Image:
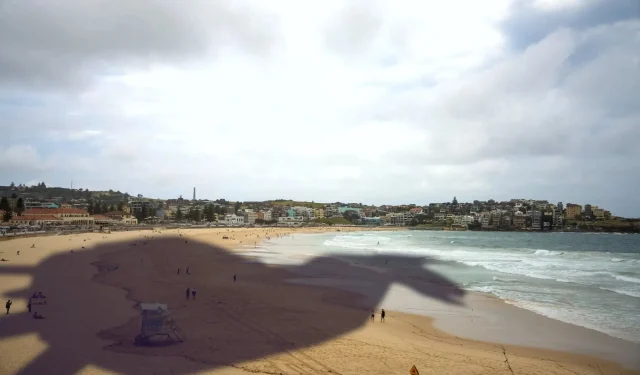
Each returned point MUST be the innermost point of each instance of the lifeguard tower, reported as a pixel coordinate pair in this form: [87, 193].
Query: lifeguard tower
[157, 322]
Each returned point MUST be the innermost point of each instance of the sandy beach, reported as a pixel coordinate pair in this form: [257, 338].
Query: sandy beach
[262, 323]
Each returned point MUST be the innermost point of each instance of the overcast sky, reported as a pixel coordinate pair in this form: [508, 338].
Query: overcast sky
[360, 101]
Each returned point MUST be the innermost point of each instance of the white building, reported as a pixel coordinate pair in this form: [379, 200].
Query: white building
[233, 220]
[399, 218]
[290, 220]
[305, 212]
[267, 215]
[464, 219]
[332, 211]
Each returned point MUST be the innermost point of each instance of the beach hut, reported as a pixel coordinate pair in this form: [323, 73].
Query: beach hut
[157, 322]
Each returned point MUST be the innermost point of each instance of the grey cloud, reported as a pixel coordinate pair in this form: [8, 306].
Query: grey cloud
[358, 31]
[537, 103]
[66, 43]
[528, 25]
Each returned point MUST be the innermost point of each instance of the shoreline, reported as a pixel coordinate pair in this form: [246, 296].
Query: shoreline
[487, 317]
[515, 304]
[128, 313]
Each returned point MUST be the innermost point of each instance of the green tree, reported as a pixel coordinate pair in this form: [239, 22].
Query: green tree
[4, 204]
[12, 184]
[413, 222]
[120, 206]
[7, 216]
[14, 196]
[209, 213]
[142, 213]
[195, 214]
[104, 208]
[236, 207]
[178, 215]
[20, 208]
[97, 209]
[43, 185]
[90, 209]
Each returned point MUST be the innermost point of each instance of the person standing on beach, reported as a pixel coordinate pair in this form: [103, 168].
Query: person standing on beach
[187, 270]
[188, 292]
[382, 314]
[8, 306]
[234, 278]
[193, 293]
[178, 271]
[373, 316]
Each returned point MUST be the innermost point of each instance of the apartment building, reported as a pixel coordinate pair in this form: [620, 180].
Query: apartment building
[250, 217]
[519, 221]
[536, 220]
[399, 218]
[264, 215]
[137, 205]
[332, 211]
[573, 211]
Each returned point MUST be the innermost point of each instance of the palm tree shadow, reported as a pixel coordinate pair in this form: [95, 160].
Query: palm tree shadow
[261, 315]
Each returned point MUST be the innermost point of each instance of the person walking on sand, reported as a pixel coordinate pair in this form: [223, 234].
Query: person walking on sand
[29, 305]
[188, 293]
[187, 271]
[382, 314]
[178, 271]
[373, 316]
[8, 306]
[193, 293]
[234, 278]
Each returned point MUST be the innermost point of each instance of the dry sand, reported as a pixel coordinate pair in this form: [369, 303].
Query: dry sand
[260, 324]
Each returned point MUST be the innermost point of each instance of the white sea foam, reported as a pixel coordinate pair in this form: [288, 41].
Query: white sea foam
[547, 252]
[630, 279]
[595, 289]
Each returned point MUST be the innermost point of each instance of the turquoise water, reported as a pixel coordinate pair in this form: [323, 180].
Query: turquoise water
[591, 280]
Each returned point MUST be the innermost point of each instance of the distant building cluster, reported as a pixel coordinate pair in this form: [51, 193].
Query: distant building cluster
[42, 206]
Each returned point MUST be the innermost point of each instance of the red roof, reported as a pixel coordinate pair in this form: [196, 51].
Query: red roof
[35, 218]
[55, 211]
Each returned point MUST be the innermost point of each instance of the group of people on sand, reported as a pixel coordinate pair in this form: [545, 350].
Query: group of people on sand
[35, 295]
[191, 292]
[382, 315]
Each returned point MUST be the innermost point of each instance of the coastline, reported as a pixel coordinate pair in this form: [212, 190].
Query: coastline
[415, 331]
[486, 317]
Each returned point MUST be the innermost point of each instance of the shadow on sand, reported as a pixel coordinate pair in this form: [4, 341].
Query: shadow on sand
[229, 323]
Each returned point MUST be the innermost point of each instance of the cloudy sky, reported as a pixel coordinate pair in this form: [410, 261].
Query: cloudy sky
[397, 101]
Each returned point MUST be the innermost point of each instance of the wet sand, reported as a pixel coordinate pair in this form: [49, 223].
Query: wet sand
[263, 323]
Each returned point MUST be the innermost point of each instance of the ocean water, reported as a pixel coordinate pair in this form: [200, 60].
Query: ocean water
[591, 280]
